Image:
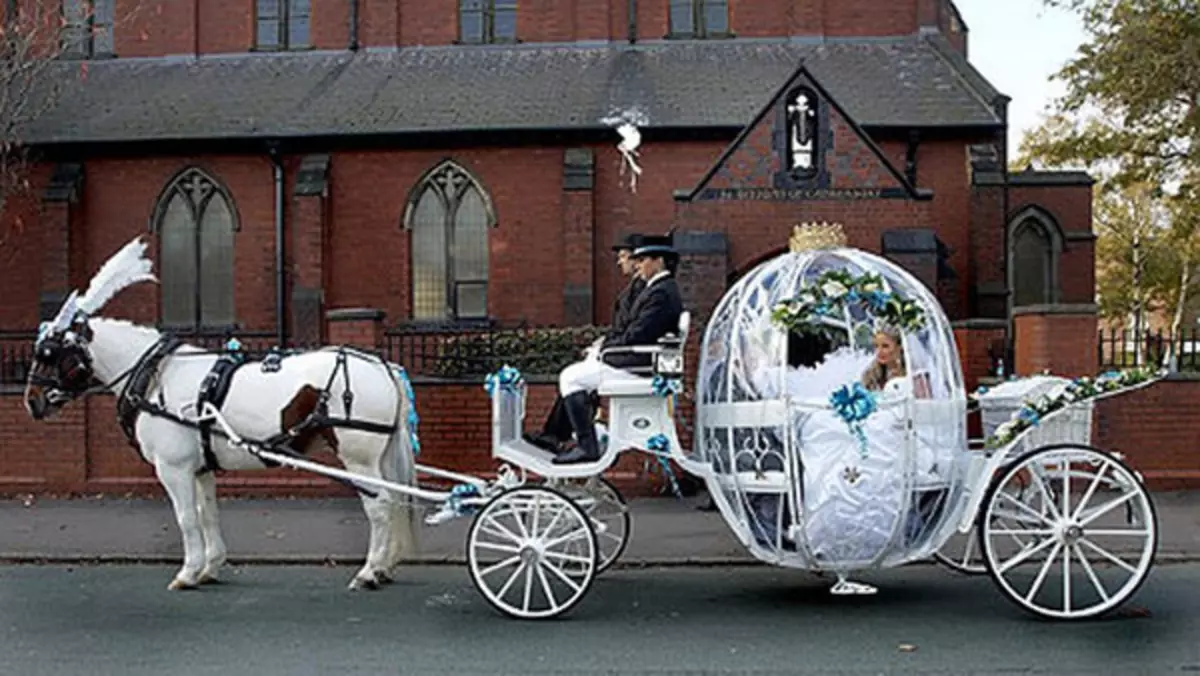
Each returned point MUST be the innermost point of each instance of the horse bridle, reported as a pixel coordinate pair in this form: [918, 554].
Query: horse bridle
[68, 356]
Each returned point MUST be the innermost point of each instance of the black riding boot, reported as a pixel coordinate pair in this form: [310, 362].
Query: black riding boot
[579, 410]
[556, 430]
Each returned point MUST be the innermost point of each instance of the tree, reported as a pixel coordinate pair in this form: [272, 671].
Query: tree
[39, 44]
[1131, 114]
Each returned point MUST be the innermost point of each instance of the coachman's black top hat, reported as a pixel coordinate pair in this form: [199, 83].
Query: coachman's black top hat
[656, 245]
[629, 242]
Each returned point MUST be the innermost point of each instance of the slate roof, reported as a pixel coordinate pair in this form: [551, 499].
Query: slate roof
[900, 82]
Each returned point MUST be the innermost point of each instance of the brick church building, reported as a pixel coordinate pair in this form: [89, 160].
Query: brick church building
[313, 170]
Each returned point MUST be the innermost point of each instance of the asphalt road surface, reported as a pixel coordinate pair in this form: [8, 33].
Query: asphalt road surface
[743, 620]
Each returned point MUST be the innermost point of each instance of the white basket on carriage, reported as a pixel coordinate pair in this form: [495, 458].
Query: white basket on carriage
[1003, 403]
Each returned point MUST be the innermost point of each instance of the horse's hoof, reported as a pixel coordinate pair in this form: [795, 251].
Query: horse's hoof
[359, 583]
[382, 577]
[208, 578]
[179, 585]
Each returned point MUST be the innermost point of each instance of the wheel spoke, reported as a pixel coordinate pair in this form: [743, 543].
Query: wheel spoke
[1087, 567]
[1024, 531]
[1037, 583]
[563, 556]
[1040, 517]
[528, 588]
[1115, 531]
[1066, 571]
[1108, 555]
[1066, 486]
[1091, 490]
[546, 589]
[511, 578]
[497, 566]
[494, 527]
[562, 576]
[1106, 508]
[573, 535]
[1047, 498]
[507, 549]
[1021, 556]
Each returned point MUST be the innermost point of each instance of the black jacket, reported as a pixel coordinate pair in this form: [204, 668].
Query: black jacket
[653, 314]
[623, 305]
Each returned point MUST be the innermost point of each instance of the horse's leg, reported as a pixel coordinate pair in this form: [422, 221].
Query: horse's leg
[180, 483]
[361, 453]
[214, 544]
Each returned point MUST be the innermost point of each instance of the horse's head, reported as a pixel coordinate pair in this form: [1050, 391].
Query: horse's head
[62, 366]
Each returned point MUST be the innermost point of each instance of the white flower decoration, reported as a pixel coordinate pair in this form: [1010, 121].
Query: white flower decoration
[834, 289]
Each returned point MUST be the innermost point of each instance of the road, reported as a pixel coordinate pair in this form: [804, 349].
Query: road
[293, 620]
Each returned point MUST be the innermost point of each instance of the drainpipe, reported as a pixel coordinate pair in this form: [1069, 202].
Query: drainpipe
[280, 272]
[354, 25]
[632, 21]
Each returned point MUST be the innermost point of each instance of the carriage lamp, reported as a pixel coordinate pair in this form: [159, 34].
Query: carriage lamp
[669, 363]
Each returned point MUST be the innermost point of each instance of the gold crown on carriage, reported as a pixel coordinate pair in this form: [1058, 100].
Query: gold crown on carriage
[810, 236]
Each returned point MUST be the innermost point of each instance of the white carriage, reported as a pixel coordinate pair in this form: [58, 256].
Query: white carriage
[802, 488]
[813, 472]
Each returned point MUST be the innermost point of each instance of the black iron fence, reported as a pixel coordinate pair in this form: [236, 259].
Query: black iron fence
[458, 353]
[1126, 349]
[455, 352]
[16, 353]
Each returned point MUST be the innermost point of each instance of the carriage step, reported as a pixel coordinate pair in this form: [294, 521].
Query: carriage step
[529, 457]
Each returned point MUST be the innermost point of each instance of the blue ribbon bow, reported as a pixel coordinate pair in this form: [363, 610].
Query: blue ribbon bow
[854, 404]
[457, 494]
[505, 377]
[663, 387]
[661, 447]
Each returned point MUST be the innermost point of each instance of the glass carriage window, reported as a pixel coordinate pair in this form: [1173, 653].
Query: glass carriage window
[195, 223]
[449, 221]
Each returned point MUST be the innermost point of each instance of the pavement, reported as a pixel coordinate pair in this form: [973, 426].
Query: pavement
[665, 531]
[119, 620]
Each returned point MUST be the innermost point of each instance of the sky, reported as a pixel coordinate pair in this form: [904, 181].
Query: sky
[1018, 45]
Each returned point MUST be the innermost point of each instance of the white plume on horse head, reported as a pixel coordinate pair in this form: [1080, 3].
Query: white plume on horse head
[123, 269]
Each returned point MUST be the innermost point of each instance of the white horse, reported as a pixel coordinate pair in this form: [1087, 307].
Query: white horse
[78, 354]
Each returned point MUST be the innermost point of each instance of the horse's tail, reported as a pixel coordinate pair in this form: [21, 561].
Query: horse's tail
[403, 446]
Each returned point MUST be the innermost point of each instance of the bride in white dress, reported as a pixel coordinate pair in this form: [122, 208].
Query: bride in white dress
[852, 483]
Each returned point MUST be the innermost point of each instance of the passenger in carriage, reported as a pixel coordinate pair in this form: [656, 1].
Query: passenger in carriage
[887, 371]
[654, 313]
[556, 431]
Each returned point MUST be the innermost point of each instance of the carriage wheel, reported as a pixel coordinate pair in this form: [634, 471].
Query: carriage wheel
[610, 517]
[532, 552]
[1084, 516]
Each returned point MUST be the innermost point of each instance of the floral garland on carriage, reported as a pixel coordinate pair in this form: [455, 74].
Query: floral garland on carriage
[833, 293]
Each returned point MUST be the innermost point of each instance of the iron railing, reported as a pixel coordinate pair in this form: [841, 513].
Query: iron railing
[1119, 349]
[16, 353]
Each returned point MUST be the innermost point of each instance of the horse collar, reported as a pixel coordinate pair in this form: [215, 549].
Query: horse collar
[132, 400]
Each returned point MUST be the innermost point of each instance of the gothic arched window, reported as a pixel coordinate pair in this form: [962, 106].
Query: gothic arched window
[1035, 247]
[195, 221]
[449, 214]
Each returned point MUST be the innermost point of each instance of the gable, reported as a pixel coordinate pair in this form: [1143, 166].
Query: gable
[803, 146]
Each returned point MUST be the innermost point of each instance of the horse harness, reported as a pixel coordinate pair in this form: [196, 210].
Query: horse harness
[214, 389]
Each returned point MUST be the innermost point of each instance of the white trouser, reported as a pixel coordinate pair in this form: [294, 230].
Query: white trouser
[587, 375]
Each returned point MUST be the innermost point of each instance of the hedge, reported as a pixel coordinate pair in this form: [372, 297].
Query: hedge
[533, 352]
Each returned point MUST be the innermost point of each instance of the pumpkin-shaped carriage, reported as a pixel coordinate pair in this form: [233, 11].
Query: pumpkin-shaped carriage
[831, 427]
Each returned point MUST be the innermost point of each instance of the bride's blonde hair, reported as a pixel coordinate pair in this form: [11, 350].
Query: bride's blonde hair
[877, 374]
